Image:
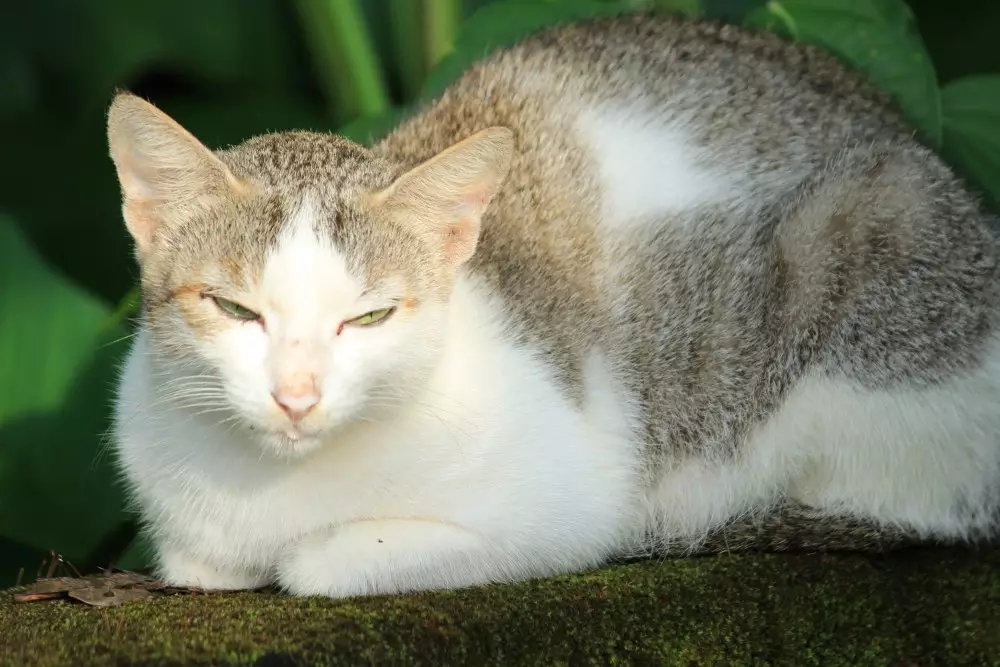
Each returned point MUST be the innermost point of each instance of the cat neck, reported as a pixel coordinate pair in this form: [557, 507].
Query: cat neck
[477, 354]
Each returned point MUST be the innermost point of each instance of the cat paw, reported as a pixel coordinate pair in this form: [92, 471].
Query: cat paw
[312, 567]
[384, 557]
[187, 572]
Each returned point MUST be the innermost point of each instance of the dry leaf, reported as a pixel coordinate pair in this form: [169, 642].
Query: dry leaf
[98, 596]
[99, 590]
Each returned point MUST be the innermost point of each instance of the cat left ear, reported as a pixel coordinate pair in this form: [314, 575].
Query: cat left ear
[447, 195]
[164, 172]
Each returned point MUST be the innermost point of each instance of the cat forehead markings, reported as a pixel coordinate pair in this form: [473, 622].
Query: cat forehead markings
[306, 275]
[298, 161]
[649, 166]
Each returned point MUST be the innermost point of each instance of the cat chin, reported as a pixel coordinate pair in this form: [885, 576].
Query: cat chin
[287, 445]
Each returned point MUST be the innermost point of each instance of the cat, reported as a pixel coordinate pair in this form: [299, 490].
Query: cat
[632, 285]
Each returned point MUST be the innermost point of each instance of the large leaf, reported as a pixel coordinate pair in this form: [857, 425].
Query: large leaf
[48, 327]
[59, 352]
[971, 108]
[878, 37]
[68, 207]
[961, 35]
[92, 46]
[58, 486]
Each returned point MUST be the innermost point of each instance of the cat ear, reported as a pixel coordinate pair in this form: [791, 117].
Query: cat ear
[447, 195]
[164, 172]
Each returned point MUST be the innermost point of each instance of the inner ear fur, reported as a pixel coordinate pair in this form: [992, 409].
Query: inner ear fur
[445, 196]
[163, 170]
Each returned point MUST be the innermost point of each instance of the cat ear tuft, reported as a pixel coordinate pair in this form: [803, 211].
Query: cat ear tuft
[447, 195]
[162, 168]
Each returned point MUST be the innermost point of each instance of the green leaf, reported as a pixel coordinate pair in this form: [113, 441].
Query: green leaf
[92, 46]
[971, 108]
[59, 353]
[960, 35]
[878, 37]
[732, 11]
[47, 329]
[58, 487]
[691, 8]
[70, 208]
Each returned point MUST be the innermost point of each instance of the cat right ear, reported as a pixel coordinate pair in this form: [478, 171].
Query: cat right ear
[446, 195]
[163, 170]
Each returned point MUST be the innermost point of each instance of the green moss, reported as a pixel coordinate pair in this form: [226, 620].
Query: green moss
[917, 607]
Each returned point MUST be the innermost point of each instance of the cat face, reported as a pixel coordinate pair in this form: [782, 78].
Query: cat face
[316, 339]
[297, 285]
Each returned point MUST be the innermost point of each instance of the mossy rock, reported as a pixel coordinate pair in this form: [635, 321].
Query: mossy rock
[914, 607]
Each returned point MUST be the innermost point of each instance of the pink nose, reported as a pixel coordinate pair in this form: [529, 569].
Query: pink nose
[297, 396]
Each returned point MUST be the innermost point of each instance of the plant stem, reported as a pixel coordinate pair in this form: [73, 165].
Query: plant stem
[406, 17]
[345, 57]
[440, 25]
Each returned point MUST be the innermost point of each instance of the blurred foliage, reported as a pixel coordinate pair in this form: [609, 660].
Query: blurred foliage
[229, 69]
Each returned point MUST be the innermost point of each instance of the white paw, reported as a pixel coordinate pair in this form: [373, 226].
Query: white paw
[187, 572]
[312, 567]
[383, 557]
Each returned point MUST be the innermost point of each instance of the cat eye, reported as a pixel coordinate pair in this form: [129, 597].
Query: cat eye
[373, 317]
[235, 310]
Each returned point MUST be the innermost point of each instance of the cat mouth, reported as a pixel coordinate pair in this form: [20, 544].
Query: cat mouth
[285, 443]
[294, 435]
[285, 436]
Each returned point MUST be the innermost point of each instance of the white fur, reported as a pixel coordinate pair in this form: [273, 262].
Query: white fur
[448, 489]
[442, 455]
[653, 169]
[927, 460]
[650, 167]
[305, 293]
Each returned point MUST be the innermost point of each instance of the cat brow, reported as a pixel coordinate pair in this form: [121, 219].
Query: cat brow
[183, 290]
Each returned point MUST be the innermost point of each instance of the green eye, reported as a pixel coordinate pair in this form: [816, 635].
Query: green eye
[235, 310]
[373, 317]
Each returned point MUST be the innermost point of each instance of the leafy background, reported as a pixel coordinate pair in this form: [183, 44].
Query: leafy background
[228, 69]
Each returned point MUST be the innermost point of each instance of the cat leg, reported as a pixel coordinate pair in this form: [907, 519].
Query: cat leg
[181, 569]
[390, 556]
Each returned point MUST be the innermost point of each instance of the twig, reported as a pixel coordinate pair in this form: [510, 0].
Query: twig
[37, 597]
[53, 564]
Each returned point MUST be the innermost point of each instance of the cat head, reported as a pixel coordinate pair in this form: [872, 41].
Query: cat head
[297, 284]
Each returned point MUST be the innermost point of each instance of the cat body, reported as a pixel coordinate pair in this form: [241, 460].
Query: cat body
[634, 284]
